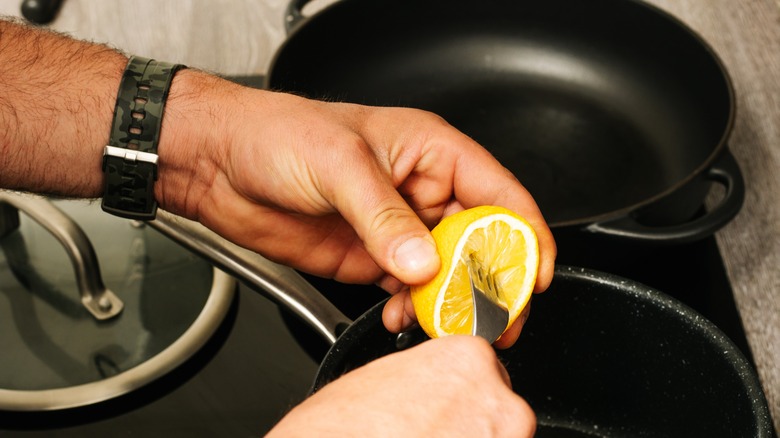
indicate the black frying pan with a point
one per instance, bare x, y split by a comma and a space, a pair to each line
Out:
605, 356
614, 114
600, 355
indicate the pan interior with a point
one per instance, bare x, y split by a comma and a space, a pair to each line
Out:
605, 356
593, 114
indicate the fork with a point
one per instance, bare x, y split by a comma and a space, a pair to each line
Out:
490, 314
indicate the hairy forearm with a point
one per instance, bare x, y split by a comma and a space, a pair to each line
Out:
56, 104
57, 98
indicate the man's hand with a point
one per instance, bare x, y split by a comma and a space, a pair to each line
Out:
334, 189
453, 387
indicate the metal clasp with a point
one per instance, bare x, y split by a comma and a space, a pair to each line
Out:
130, 155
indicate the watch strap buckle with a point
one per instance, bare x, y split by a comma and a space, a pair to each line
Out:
130, 177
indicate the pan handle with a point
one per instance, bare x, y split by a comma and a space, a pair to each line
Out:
724, 171
281, 284
294, 14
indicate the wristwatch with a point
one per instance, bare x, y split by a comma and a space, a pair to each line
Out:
130, 158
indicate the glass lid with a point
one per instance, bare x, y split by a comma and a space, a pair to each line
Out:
93, 306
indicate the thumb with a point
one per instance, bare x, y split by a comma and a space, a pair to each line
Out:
409, 252
398, 241
392, 233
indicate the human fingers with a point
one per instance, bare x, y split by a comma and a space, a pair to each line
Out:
512, 334
391, 231
398, 314
306, 190
513, 416
452, 173
499, 186
451, 386
344, 165
470, 367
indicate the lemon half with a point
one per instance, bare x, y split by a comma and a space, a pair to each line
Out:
505, 246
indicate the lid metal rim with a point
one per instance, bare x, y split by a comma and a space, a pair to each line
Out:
193, 339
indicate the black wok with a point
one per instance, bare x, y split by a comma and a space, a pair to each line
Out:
600, 356
613, 114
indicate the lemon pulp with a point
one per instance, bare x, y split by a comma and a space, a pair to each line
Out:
502, 243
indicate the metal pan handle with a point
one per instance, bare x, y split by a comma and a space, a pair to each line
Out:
724, 171
279, 283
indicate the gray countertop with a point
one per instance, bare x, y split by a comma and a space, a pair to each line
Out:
233, 37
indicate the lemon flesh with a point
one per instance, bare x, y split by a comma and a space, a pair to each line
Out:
502, 243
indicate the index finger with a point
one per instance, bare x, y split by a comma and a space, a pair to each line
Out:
480, 179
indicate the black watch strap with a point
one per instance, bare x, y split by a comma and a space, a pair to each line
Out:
130, 158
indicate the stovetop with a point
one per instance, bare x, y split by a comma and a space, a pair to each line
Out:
262, 361
240, 384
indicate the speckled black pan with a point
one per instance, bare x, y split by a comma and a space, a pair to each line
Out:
605, 356
600, 355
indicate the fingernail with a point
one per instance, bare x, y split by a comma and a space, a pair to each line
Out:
415, 254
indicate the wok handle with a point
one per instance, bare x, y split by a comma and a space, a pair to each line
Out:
294, 14
281, 284
40, 11
724, 171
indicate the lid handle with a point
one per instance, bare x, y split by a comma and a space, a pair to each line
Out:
101, 302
